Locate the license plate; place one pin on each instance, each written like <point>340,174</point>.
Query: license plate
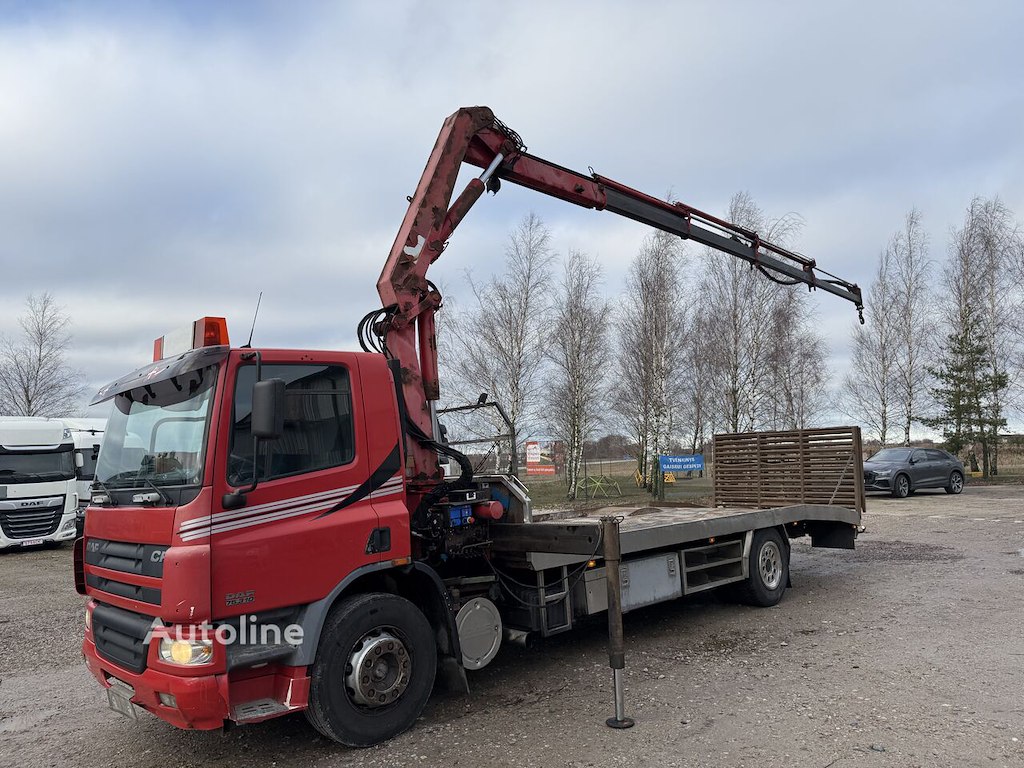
<point>31,542</point>
<point>120,701</point>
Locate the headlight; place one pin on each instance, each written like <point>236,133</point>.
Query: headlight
<point>88,618</point>
<point>186,652</point>
<point>883,473</point>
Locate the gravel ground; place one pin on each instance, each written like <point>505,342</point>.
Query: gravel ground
<point>908,651</point>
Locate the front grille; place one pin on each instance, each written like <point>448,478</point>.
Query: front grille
<point>869,477</point>
<point>30,518</point>
<point>122,589</point>
<point>121,636</point>
<point>140,559</point>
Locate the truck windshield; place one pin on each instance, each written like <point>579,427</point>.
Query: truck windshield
<point>36,467</point>
<point>156,434</point>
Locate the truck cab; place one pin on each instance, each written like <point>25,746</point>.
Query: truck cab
<point>199,523</point>
<point>38,495</point>
<point>87,435</point>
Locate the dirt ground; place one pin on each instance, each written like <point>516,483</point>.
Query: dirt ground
<point>908,651</point>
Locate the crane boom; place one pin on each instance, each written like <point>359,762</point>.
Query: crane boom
<point>473,135</point>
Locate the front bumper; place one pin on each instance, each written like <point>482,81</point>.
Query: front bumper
<point>873,482</point>
<point>66,531</point>
<point>200,702</point>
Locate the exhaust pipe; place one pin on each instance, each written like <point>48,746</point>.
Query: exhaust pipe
<point>520,637</point>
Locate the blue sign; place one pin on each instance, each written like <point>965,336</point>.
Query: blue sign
<point>681,463</point>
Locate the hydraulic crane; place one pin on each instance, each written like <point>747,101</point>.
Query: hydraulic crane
<point>475,136</point>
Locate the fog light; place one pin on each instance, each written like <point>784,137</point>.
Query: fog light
<point>186,652</point>
<point>168,700</point>
<point>88,618</point>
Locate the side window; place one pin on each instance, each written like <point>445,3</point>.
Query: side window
<point>919,456</point>
<point>318,428</point>
<point>934,455</point>
<point>89,455</point>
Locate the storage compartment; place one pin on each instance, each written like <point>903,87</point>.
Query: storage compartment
<point>645,581</point>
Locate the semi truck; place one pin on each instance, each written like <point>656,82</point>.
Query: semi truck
<point>87,435</point>
<point>271,531</point>
<point>38,492</point>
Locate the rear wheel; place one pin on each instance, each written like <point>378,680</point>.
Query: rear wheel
<point>956,482</point>
<point>768,569</point>
<point>374,670</point>
<point>901,486</point>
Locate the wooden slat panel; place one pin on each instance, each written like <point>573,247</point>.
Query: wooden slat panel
<point>809,466</point>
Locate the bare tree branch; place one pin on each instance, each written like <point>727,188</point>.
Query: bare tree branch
<point>35,379</point>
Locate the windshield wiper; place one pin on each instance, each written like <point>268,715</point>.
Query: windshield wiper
<point>110,496</point>
<point>163,495</point>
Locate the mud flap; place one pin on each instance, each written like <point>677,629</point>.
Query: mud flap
<point>832,535</point>
<point>452,675</point>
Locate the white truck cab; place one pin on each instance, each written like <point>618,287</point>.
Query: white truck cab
<point>38,483</point>
<point>87,435</point>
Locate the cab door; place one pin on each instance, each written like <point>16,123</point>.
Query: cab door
<point>299,532</point>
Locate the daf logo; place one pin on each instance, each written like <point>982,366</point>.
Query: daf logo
<point>31,504</point>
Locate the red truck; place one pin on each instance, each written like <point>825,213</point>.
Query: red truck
<point>270,530</point>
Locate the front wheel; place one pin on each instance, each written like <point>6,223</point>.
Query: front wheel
<point>901,487</point>
<point>956,482</point>
<point>768,569</point>
<point>374,670</point>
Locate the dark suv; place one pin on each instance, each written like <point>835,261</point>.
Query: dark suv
<point>901,471</point>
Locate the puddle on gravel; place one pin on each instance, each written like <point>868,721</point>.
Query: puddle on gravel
<point>905,552</point>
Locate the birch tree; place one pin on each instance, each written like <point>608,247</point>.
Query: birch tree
<point>913,332</point>
<point>886,388</point>
<point>747,312</point>
<point>35,377</point>
<point>651,323</point>
<point>579,352</point>
<point>868,390</point>
<point>698,371</point>
<point>798,372</point>
<point>498,344</point>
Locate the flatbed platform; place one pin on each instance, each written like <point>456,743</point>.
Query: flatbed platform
<point>552,543</point>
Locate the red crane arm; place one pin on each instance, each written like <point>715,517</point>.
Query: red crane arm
<point>473,135</point>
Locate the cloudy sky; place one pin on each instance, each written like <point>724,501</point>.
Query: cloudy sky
<point>164,161</point>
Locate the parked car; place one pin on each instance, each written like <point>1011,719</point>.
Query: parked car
<point>901,471</point>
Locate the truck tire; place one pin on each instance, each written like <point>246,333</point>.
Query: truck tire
<point>900,486</point>
<point>391,641</point>
<point>768,565</point>
<point>956,482</point>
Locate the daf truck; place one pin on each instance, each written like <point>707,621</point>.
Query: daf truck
<point>38,482</point>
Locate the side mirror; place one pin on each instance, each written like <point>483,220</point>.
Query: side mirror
<point>79,460</point>
<point>268,409</point>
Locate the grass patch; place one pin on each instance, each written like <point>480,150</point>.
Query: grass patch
<point>550,493</point>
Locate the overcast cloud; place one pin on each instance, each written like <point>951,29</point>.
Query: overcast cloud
<point>160,163</point>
